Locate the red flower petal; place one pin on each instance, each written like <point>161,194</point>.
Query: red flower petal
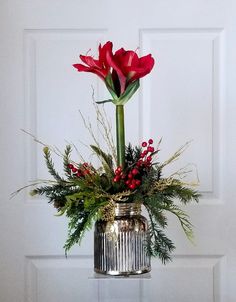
<point>145,66</point>
<point>99,72</point>
<point>130,58</point>
<point>103,50</point>
<point>122,78</point>
<point>90,61</point>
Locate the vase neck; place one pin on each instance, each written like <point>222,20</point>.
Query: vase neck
<point>127,209</point>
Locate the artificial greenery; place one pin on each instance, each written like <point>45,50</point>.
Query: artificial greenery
<point>85,194</point>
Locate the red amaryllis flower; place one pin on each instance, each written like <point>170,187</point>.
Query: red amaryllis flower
<point>120,71</point>
<point>129,66</point>
<point>100,67</point>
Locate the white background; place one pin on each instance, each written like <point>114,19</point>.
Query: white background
<point>190,95</point>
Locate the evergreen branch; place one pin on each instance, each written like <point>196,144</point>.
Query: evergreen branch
<point>173,188</point>
<point>50,165</point>
<point>182,217</point>
<point>81,222</point>
<point>132,154</point>
<point>55,192</point>
<point>184,194</point>
<point>66,160</point>
<point>158,244</point>
<point>157,214</point>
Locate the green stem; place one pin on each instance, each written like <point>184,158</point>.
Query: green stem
<point>120,135</point>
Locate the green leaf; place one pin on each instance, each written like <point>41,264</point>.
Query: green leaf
<point>105,101</point>
<point>129,91</point>
<point>110,86</point>
<point>106,159</point>
<point>109,81</point>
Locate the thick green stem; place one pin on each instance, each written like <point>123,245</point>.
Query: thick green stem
<point>120,135</point>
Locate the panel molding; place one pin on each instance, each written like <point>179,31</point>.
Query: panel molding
<point>213,194</point>
<point>216,264</point>
<point>32,39</point>
<point>34,264</point>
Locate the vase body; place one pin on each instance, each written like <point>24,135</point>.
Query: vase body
<point>120,245</point>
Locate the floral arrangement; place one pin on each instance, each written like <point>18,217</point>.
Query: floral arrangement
<point>127,173</point>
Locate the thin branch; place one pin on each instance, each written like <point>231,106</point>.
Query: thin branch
<point>175,156</point>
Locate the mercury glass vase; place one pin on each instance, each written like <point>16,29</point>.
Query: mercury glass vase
<point>120,246</point>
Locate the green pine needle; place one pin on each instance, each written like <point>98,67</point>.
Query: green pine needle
<point>50,165</point>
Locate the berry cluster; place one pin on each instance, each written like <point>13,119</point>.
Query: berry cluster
<point>146,156</point>
<point>129,178</point>
<point>82,171</point>
<point>133,177</point>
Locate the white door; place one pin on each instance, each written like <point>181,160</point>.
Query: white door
<point>190,95</point>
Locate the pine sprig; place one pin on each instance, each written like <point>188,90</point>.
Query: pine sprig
<point>184,194</point>
<point>158,245</point>
<point>50,165</point>
<point>80,222</point>
<point>182,217</point>
<point>158,215</point>
<point>66,161</point>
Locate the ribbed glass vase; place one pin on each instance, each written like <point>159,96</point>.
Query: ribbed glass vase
<point>119,246</point>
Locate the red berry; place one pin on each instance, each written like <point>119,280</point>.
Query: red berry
<point>119,169</point>
<point>78,174</point>
<point>142,155</point>
<point>116,179</point>
<point>117,172</point>
<point>144,144</point>
<point>132,186</point>
<point>123,176</point>
<point>139,163</point>
<point>74,170</point>
<point>150,149</point>
<point>150,141</point>
<point>130,175</point>
<point>149,158</point>
<point>70,166</point>
<point>145,152</point>
<point>127,182</point>
<point>135,171</point>
<point>138,182</point>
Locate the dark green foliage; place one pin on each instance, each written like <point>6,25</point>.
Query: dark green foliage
<point>132,155</point>
<point>148,179</point>
<point>159,202</point>
<point>81,218</point>
<point>56,192</point>
<point>184,194</point>
<point>158,244</point>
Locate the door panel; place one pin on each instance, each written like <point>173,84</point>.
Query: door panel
<point>190,95</point>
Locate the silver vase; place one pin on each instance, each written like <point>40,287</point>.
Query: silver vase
<point>119,246</point>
